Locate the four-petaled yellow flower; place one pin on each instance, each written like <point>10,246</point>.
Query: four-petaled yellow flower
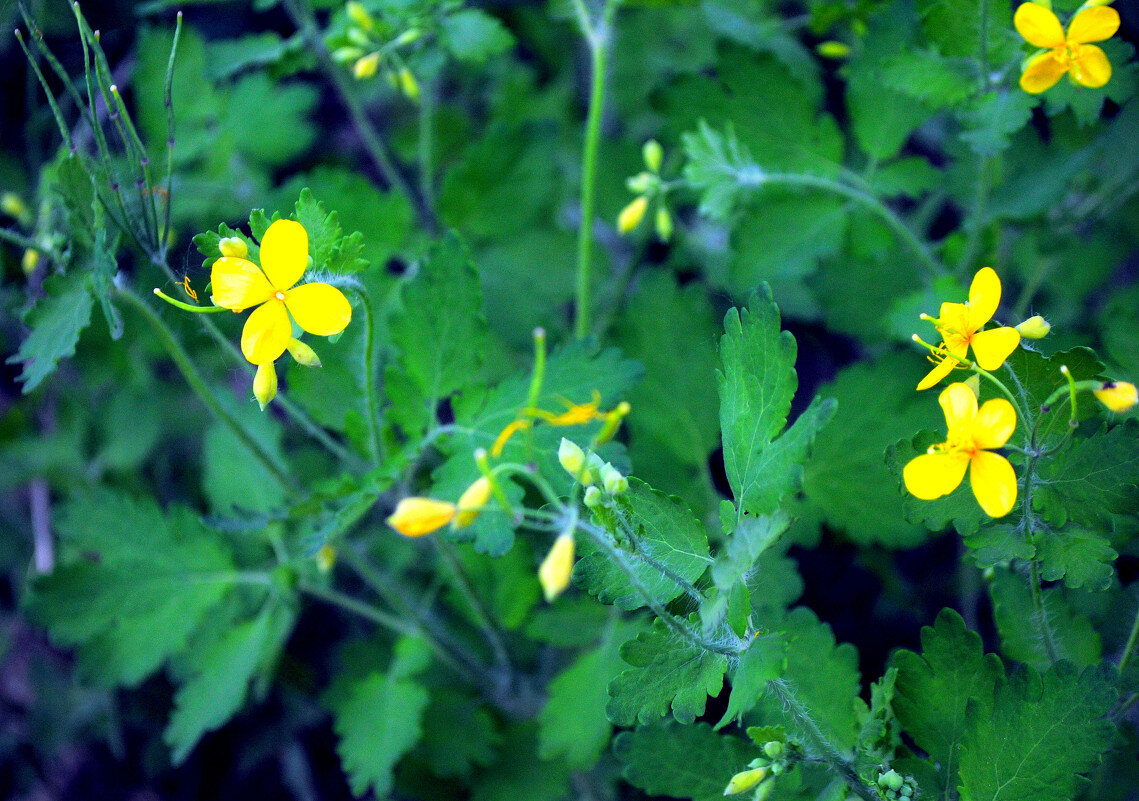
<point>961,324</point>
<point>1065,52</point>
<point>973,434</point>
<point>239,284</point>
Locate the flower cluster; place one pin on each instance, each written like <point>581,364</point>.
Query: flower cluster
<point>370,43</point>
<point>648,187</point>
<point>1065,52</point>
<point>777,758</point>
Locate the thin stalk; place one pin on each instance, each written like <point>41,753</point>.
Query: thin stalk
<point>1129,649</point>
<point>1033,569</point>
<point>21,241</point>
<point>168,102</point>
<point>186,366</point>
<point>427,100</point>
<point>375,443</point>
<point>364,610</point>
<point>598,42</point>
<point>302,17</point>
<point>478,608</point>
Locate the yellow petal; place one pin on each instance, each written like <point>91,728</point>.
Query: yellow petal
<point>994,423</point>
<point>1038,26</point>
<point>414,517</point>
<point>954,326</point>
<point>238,284</point>
<point>984,297</point>
<point>960,407</point>
<point>267,333</point>
<point>933,475</point>
<point>994,483</point>
<point>1093,25</point>
<point>284,253</point>
<point>320,309</point>
<point>1090,66</point>
<point>992,347</point>
<point>554,573</point>
<point>1042,71</point>
<point>943,368</point>
<point>1119,396</point>
<point>472,501</point>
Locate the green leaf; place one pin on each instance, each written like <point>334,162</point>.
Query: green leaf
<point>459,735</point>
<point>57,320</point>
<point>666,534</point>
<point>999,543</point>
<point>440,331</point>
<point>474,35</point>
<point>989,120</point>
<point>666,673</point>
<point>1042,732</point>
<point>1022,636</point>
<point>572,725</point>
<point>137,586</point>
<point>877,404</point>
<point>1039,376</point>
<point>880,735</point>
<point>933,691</point>
<point>756,387</point>
<point>751,23</point>
<point>329,248</point>
<point>762,663</point>
<point>1092,479</point>
<point>966,28</point>
<point>222,675</point>
<point>379,718</point>
<point>930,77</point>
<point>747,543</point>
<point>1082,558</point>
<point>682,761</point>
<point>520,773</point>
<point>232,477</point>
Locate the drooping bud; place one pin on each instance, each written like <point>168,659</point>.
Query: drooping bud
<point>408,85</point>
<point>414,517</point>
<point>612,480</point>
<point>366,66</point>
<point>554,573</point>
<point>572,459</point>
<point>325,558</point>
<point>653,154</point>
<point>663,224</point>
<point>346,55</point>
<point>265,384</point>
<point>472,501</point>
<point>612,422</point>
<point>234,247</point>
<point>14,206</point>
<point>303,354</point>
<point>745,780</point>
<point>1119,396</point>
<point>359,15</point>
<point>30,261</point>
<point>833,49</point>
<point>631,216</point>
<point>1035,327</point>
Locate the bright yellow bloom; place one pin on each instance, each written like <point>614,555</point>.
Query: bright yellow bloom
<point>472,501</point>
<point>960,327</point>
<point>973,433</point>
<point>554,573</point>
<point>233,246</point>
<point>239,284</point>
<point>1065,52</point>
<point>414,517</point>
<point>745,780</point>
<point>1119,396</point>
<point>631,216</point>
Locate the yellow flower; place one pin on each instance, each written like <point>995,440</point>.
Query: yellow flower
<point>239,284</point>
<point>414,517</point>
<point>1065,52</point>
<point>960,327</point>
<point>973,433</point>
<point>472,501</point>
<point>1119,396</point>
<point>554,573</point>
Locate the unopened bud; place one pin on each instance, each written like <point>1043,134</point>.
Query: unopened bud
<point>358,14</point>
<point>572,458</point>
<point>472,501</point>
<point>745,780</point>
<point>358,37</point>
<point>593,497</point>
<point>653,154</point>
<point>265,384</point>
<point>303,354</point>
<point>12,205</point>
<point>325,558</point>
<point>631,216</point>
<point>366,66</point>
<point>1035,327</point>
<point>407,37</point>
<point>613,481</point>
<point>833,49</point>
<point>554,573</point>
<point>773,749</point>
<point>30,261</point>
<point>233,247</point>
<point>641,182</point>
<point>663,224</point>
<point>346,55</point>
<point>408,85</point>
<point>1119,396</point>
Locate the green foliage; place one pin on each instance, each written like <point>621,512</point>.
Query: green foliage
<point>56,321</point>
<point>666,674</point>
<point>1026,637</point>
<point>758,381</point>
<point>762,662</point>
<point>682,761</point>
<point>1093,479</point>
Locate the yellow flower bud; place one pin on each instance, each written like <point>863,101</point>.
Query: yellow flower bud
<point>303,354</point>
<point>612,422</point>
<point>265,384</point>
<point>641,182</point>
<point>366,67</point>
<point>408,85</point>
<point>12,205</point>
<point>1119,396</point>
<point>745,780</point>
<point>472,501</point>
<point>414,517</point>
<point>1035,327</point>
<point>325,558</point>
<point>30,261</point>
<point>554,574</point>
<point>572,458</point>
<point>358,14</point>
<point>592,497</point>
<point>346,55</point>
<point>234,247</point>
<point>832,49</point>
<point>653,154</point>
<point>663,224</point>
<point>631,216</point>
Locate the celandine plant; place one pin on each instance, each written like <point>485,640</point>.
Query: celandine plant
<point>564,524</point>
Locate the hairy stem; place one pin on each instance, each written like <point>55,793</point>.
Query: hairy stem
<point>1129,648</point>
<point>375,442</point>
<point>1041,614</point>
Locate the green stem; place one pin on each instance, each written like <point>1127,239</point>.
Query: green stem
<point>358,607</point>
<point>1033,568</point>
<point>871,203</point>
<point>597,39</point>
<point>21,241</point>
<point>463,584</point>
<point>198,384</point>
<point>1129,649</point>
<point>427,101</point>
<point>375,442</point>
